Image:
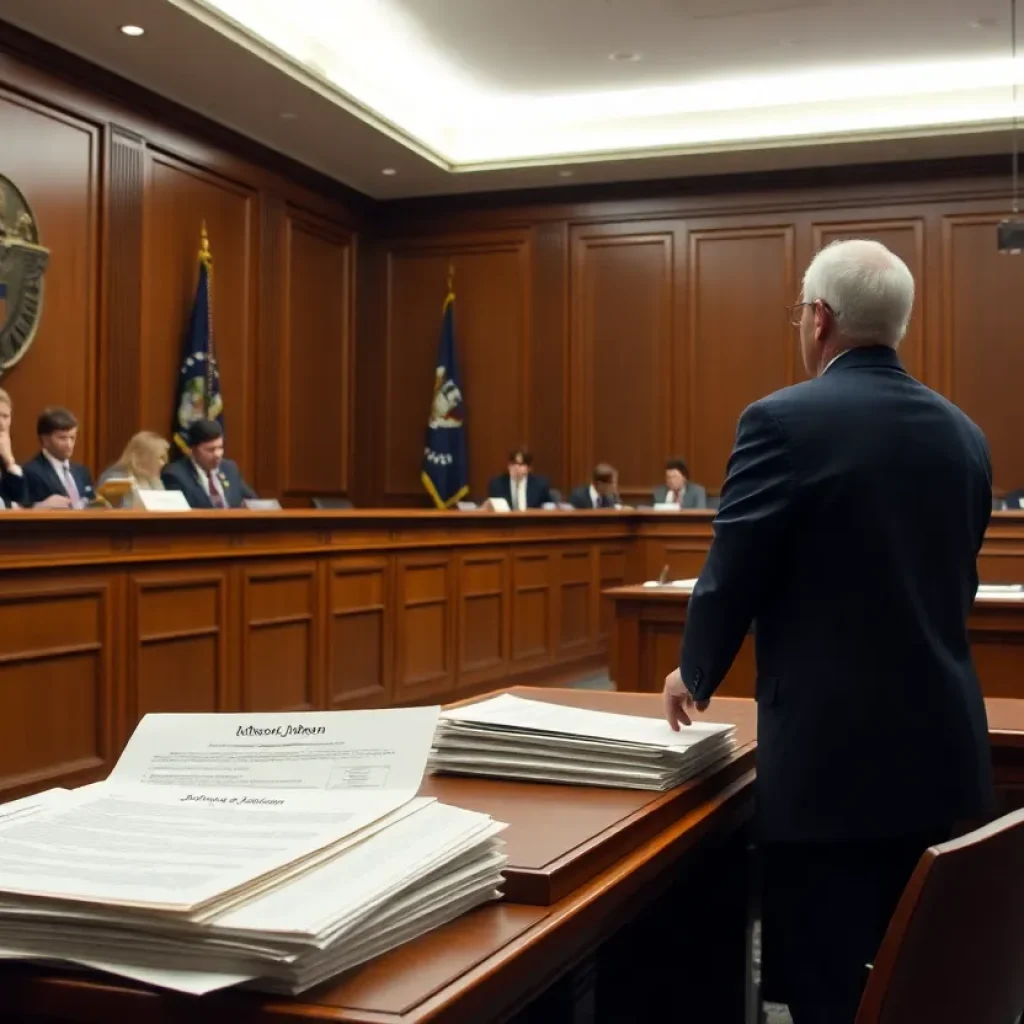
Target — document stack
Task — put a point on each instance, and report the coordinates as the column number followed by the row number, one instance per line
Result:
column 272, row 851
column 509, row 737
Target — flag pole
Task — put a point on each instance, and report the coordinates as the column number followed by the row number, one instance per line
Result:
column 206, row 259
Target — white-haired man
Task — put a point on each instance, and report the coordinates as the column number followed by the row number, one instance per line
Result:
column 872, row 738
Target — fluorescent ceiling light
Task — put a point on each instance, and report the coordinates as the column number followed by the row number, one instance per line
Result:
column 374, row 59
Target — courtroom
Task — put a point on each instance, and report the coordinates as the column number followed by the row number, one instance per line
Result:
column 511, row 513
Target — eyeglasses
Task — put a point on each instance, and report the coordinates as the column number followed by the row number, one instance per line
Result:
column 795, row 314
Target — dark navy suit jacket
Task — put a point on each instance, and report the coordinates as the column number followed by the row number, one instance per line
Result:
column 41, row 480
column 182, row 476
column 538, row 491
column 853, row 511
column 13, row 489
column 581, row 498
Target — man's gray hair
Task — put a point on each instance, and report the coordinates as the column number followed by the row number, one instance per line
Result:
column 868, row 288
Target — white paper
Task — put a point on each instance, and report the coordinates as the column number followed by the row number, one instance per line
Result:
column 534, row 715
column 160, row 501
column 200, row 805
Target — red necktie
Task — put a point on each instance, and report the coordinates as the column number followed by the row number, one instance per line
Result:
column 215, row 499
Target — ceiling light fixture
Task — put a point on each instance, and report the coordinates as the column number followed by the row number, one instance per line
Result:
column 565, row 174
column 287, row 115
column 624, row 57
column 389, row 172
column 133, row 30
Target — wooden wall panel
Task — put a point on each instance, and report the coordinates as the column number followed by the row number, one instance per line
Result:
column 612, row 571
column 905, row 237
column 492, row 325
column 576, row 599
column 178, row 644
column 534, row 593
column 55, row 160
column 741, row 343
column 360, row 657
column 178, row 199
column 622, row 351
column 425, row 666
column 56, row 670
column 317, row 347
column 281, row 642
column 483, row 622
column 982, row 310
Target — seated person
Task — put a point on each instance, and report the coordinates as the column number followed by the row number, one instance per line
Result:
column 519, row 487
column 602, row 491
column 12, row 479
column 206, row 478
column 1013, row 500
column 142, row 462
column 52, row 480
column 678, row 489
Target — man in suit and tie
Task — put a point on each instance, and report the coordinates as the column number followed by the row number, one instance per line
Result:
column 520, row 487
column 872, row 738
column 52, row 480
column 205, row 477
column 678, row 489
column 601, row 493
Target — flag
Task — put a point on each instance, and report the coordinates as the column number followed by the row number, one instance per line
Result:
column 445, row 464
column 198, row 380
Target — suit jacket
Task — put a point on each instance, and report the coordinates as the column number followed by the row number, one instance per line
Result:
column 13, row 489
column 42, row 480
column 850, row 523
column 694, row 496
column 182, row 476
column 538, row 491
column 580, row 498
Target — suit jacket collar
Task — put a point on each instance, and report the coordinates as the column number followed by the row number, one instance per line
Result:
column 54, row 477
column 865, row 356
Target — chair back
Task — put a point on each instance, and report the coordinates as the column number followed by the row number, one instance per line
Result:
column 334, row 503
column 954, row 950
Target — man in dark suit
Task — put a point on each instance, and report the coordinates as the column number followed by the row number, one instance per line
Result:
column 519, row 486
column 872, row 738
column 679, row 489
column 600, row 493
column 52, row 480
column 12, row 477
column 205, row 477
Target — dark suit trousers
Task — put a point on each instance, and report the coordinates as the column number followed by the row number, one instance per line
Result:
column 825, row 909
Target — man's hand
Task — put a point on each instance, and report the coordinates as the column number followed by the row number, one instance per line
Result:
column 55, row 501
column 679, row 702
column 6, row 451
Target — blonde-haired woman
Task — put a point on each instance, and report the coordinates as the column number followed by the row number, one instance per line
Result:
column 142, row 460
column 12, row 483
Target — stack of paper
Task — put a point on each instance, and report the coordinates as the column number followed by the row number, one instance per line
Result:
column 273, row 850
column 509, row 737
column 991, row 591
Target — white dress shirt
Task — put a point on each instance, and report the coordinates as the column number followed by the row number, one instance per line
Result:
column 517, row 488
column 67, row 481
column 206, row 478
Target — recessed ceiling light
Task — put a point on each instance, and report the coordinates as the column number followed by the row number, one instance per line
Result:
column 982, row 23
column 565, row 174
column 624, row 57
column 389, row 172
column 287, row 115
column 133, row 30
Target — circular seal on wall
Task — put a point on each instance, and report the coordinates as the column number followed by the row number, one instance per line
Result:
column 22, row 263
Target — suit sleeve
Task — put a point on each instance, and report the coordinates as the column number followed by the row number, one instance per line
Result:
column 248, row 494
column 13, row 489
column 494, row 487
column 756, row 510
column 579, row 499
column 171, row 480
column 543, row 491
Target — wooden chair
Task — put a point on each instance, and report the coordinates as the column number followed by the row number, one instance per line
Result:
column 954, row 950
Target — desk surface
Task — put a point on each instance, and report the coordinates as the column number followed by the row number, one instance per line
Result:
column 492, row 957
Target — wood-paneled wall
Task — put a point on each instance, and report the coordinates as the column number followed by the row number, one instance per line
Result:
column 628, row 323
column 120, row 187
column 652, row 320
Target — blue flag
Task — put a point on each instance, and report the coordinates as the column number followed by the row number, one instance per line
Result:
column 198, row 380
column 445, row 464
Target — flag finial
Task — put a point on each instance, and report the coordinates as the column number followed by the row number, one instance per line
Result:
column 205, row 256
column 451, row 278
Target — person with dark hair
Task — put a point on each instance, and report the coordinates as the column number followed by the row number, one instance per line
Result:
column 52, row 480
column 205, row 477
column 521, row 488
column 601, row 492
column 679, row 489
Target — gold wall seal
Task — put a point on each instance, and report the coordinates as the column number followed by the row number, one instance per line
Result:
column 22, row 262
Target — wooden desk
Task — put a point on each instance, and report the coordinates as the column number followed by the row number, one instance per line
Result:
column 649, row 625
column 612, row 940
column 105, row 616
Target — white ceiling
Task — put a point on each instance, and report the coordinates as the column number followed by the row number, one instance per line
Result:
column 475, row 95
